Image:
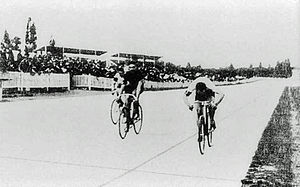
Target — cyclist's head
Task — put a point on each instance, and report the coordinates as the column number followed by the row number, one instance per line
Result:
column 131, row 66
column 200, row 86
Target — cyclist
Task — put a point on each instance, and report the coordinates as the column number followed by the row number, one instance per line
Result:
column 133, row 83
column 117, row 81
column 205, row 90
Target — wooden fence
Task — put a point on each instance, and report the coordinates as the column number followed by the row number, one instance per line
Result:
column 26, row 81
column 89, row 81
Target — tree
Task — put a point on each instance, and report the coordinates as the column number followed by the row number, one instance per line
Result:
column 15, row 43
column 3, row 65
column 188, row 66
column 30, row 37
column 5, row 44
column 52, row 42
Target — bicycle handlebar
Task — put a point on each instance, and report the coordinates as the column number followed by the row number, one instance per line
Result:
column 126, row 94
column 203, row 102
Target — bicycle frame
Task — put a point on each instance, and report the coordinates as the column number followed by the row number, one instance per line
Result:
column 125, row 96
column 137, row 124
column 203, row 126
column 204, row 105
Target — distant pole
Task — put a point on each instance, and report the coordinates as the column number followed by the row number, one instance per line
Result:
column 1, row 90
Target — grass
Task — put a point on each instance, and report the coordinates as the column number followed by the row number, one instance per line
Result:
column 272, row 163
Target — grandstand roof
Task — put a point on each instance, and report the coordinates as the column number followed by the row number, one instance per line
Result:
column 71, row 50
column 138, row 56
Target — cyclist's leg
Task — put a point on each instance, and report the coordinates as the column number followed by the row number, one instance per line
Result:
column 119, row 90
column 135, row 112
column 212, row 111
column 137, row 92
column 198, row 110
column 127, row 103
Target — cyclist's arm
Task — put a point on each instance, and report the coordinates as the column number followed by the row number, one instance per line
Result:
column 139, row 88
column 186, row 95
column 122, row 88
column 220, row 98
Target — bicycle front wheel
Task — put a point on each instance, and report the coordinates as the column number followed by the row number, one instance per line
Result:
column 139, row 121
column 201, row 136
column 209, row 135
column 123, row 126
column 114, row 112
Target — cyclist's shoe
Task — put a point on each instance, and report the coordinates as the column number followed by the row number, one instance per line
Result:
column 127, row 129
column 213, row 126
column 200, row 138
column 125, row 120
column 136, row 117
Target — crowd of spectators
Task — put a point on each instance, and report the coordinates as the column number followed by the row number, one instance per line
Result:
column 39, row 64
column 159, row 72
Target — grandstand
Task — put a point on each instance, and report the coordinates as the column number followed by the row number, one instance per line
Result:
column 71, row 52
column 118, row 58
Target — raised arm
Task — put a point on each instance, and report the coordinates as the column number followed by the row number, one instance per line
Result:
column 220, row 97
column 186, row 99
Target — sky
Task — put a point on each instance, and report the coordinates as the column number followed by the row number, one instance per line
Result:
column 210, row 33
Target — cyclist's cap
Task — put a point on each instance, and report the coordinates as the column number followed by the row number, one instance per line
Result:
column 200, row 86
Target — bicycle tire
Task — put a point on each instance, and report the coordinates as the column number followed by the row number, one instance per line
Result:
column 139, row 123
column 114, row 112
column 123, row 125
column 209, row 135
column 201, row 134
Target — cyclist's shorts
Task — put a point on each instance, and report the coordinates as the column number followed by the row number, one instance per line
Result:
column 129, row 89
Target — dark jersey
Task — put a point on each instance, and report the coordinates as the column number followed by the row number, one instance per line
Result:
column 131, row 80
column 204, row 95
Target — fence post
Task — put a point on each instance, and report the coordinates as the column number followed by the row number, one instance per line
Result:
column 27, row 88
column 1, row 90
column 21, row 81
column 69, row 81
column 89, row 82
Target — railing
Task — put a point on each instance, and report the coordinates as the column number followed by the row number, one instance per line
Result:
column 21, row 80
column 165, row 85
column 89, row 81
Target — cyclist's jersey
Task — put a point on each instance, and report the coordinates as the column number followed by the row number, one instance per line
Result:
column 205, row 95
column 118, row 81
column 131, row 80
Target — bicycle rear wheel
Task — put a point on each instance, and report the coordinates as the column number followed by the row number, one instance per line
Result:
column 209, row 136
column 114, row 112
column 123, row 126
column 201, row 136
column 139, row 121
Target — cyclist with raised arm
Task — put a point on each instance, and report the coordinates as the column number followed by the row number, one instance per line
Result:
column 133, row 83
column 205, row 90
column 117, row 81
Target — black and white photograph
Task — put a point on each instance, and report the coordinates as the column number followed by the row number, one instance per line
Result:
column 149, row 93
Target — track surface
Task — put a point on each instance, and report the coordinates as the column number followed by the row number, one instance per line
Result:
column 72, row 142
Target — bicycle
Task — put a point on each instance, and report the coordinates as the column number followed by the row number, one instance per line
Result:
column 115, row 110
column 204, row 126
column 125, row 124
